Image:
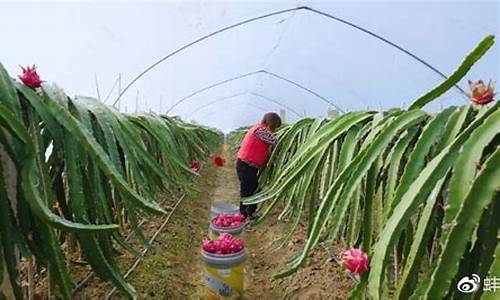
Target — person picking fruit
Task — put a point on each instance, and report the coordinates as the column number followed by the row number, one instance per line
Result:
column 253, row 155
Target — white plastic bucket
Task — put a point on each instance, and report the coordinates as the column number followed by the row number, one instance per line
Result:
column 214, row 231
column 220, row 207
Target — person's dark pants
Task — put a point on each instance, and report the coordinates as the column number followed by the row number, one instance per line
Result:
column 249, row 181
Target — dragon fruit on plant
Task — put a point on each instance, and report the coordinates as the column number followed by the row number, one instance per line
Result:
column 480, row 93
column 30, row 77
column 355, row 260
column 195, row 166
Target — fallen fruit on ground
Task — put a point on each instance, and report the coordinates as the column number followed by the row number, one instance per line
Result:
column 219, row 161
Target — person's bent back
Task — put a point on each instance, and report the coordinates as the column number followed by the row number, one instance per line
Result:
column 253, row 155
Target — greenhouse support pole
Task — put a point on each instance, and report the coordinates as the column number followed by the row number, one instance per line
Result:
column 283, row 115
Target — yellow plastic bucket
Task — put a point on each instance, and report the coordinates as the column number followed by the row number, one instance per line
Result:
column 224, row 275
column 214, row 231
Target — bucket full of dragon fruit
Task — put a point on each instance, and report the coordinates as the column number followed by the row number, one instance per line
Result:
column 221, row 206
column 224, row 274
column 228, row 223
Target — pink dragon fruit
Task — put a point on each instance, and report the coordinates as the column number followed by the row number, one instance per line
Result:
column 355, row 260
column 195, row 166
column 218, row 222
column 225, row 244
column 237, row 245
column 30, row 77
column 228, row 221
column 225, row 237
column 209, row 246
column 219, row 161
column 238, row 217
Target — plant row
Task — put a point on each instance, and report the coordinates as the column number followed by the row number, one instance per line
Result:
column 417, row 192
column 78, row 170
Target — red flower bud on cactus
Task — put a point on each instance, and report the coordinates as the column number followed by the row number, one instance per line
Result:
column 355, row 260
column 30, row 78
column 480, row 93
column 219, row 161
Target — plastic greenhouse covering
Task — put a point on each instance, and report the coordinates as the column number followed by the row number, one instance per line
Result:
column 249, row 149
column 338, row 66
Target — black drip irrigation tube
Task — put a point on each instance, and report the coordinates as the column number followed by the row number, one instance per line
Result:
column 91, row 274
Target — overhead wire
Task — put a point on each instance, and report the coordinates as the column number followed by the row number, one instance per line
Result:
column 225, row 81
column 280, row 12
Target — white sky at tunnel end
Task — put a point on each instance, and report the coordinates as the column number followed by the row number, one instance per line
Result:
column 73, row 42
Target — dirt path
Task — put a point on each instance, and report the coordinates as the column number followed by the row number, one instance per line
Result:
column 174, row 269
column 319, row 279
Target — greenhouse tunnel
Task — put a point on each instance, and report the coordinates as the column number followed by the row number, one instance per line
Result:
column 346, row 66
column 138, row 119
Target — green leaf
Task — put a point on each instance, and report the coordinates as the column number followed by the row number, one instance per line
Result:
column 422, row 234
column 89, row 243
column 340, row 192
column 416, row 194
column 478, row 198
column 8, row 93
column 96, row 152
column 462, row 70
column 416, row 160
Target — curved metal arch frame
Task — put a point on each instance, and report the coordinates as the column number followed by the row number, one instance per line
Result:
column 189, row 114
column 306, row 8
column 211, row 113
column 277, row 102
column 272, row 74
column 241, row 94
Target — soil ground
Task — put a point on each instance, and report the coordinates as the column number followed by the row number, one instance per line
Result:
column 174, row 270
